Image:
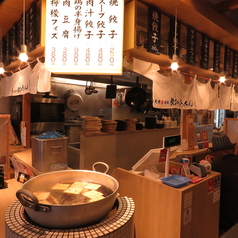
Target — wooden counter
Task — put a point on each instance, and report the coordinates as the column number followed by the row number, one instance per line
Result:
column 121, row 149
column 191, row 211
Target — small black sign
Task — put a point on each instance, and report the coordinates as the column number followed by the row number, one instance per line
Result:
column 191, row 46
column 235, row 65
column 154, row 26
column 227, row 59
column 20, row 32
column 13, row 42
column 216, row 60
column 205, row 52
column 6, row 49
column 31, row 28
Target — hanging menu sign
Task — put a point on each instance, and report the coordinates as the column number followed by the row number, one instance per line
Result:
column 84, row 36
column 31, row 28
column 205, row 52
column 14, row 38
column 174, row 38
column 7, row 47
column 227, row 59
column 20, row 32
column 235, row 65
column 216, row 60
column 191, row 46
column 154, row 26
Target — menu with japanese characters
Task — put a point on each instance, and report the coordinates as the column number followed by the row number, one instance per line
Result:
column 84, row 36
column 191, row 46
column 154, row 26
column 205, row 52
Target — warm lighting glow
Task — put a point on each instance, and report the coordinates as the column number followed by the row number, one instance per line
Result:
column 1, row 68
column 222, row 78
column 174, row 66
column 23, row 55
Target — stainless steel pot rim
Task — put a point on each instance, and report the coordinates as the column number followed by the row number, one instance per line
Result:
column 71, row 171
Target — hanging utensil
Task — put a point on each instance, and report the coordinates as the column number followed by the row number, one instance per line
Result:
column 92, row 88
column 136, row 96
column 73, row 100
column 111, row 90
column 87, row 89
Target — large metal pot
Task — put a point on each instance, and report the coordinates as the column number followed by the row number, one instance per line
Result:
column 67, row 216
column 73, row 100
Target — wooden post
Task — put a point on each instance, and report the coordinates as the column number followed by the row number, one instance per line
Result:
column 187, row 123
column 5, row 141
column 26, row 117
column 184, row 114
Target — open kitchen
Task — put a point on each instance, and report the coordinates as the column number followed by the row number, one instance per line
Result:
column 114, row 122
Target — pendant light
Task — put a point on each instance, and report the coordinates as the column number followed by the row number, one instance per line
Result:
column 222, row 78
column 1, row 63
column 174, row 66
column 23, row 54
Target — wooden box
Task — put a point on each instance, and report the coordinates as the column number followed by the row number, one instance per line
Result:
column 161, row 211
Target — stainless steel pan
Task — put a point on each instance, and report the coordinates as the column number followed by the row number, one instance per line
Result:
column 67, row 216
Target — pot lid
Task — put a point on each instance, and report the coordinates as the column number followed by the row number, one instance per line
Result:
column 74, row 102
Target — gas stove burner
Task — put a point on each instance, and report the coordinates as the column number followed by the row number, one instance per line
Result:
column 119, row 224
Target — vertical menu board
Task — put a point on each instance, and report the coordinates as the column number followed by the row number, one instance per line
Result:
column 154, row 26
column 235, row 65
column 191, row 46
column 205, row 52
column 31, row 28
column 84, row 36
column 216, row 60
column 227, row 59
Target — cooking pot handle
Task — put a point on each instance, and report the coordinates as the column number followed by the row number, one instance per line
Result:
column 31, row 201
column 102, row 163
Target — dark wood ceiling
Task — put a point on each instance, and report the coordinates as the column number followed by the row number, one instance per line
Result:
column 10, row 12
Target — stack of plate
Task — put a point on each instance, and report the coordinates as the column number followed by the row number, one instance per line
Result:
column 109, row 126
column 130, row 124
column 91, row 125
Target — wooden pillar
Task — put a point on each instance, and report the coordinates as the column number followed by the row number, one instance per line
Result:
column 26, row 118
column 187, row 123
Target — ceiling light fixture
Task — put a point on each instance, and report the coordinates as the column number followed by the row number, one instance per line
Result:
column 174, row 66
column 222, row 78
column 23, row 54
column 1, row 63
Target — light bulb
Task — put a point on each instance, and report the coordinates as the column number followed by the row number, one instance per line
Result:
column 23, row 55
column 222, row 78
column 1, row 68
column 174, row 66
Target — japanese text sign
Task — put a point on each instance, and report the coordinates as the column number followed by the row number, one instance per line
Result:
column 84, row 36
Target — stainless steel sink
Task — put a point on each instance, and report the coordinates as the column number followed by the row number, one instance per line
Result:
column 74, row 155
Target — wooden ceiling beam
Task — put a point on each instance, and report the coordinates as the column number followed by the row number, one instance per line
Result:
column 226, row 5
